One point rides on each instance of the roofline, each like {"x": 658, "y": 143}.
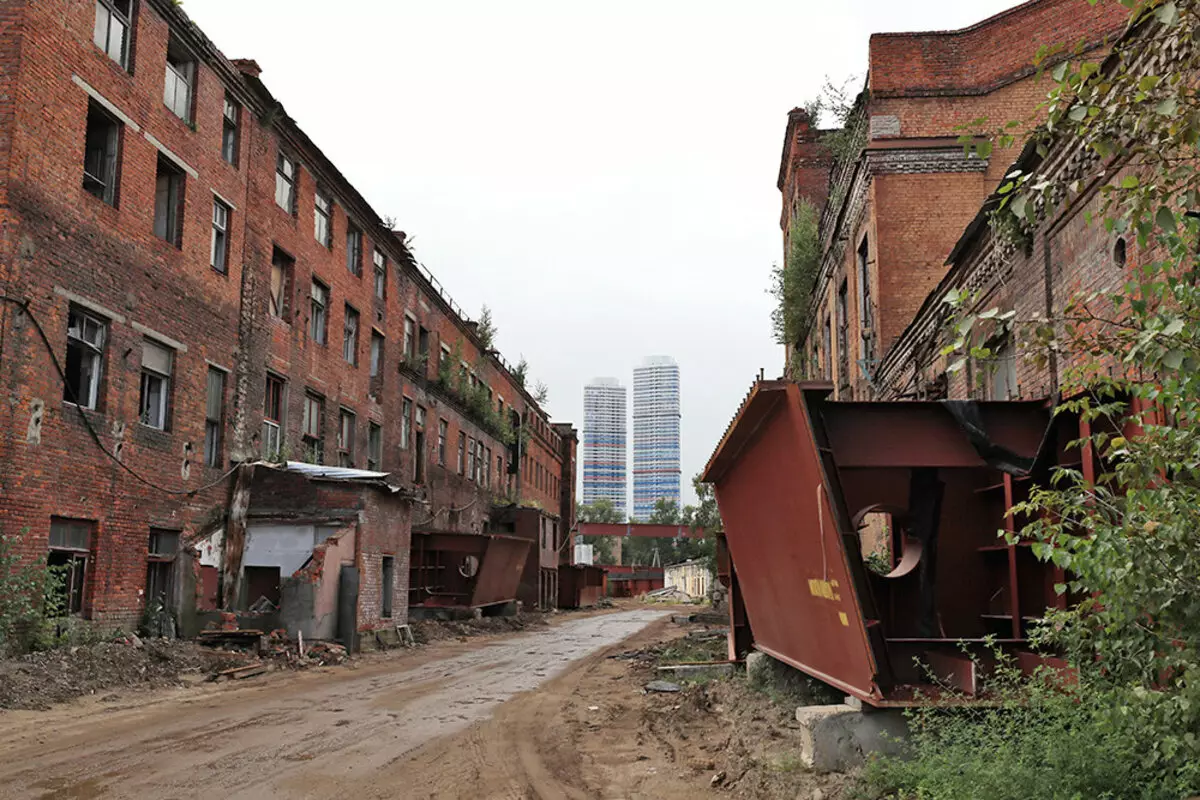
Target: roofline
{"x": 975, "y": 26}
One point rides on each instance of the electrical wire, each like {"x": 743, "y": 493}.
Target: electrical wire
{"x": 62, "y": 375}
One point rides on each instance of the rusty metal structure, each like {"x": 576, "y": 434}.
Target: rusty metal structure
{"x": 450, "y": 573}
{"x": 809, "y": 489}
{"x": 581, "y": 585}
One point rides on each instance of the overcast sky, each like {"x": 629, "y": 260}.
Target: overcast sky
{"x": 602, "y": 175}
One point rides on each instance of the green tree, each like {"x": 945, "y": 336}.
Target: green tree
{"x": 602, "y": 510}
{"x": 666, "y": 512}
{"x": 792, "y": 284}
{"x": 486, "y": 329}
{"x": 520, "y": 373}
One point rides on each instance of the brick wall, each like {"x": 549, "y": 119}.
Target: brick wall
{"x": 64, "y": 248}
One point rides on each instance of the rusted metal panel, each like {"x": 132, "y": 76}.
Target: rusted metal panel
{"x": 802, "y": 482}
{"x": 465, "y": 570}
{"x": 500, "y": 570}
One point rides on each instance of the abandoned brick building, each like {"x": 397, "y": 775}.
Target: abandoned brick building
{"x": 902, "y": 190}
{"x": 189, "y": 284}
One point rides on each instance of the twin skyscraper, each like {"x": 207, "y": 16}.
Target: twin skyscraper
{"x": 656, "y": 472}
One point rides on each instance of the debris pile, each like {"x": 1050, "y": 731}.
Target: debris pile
{"x": 669, "y": 594}
{"x": 426, "y": 631}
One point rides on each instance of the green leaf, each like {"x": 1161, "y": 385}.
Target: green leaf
{"x": 1130, "y": 182}
{"x": 1148, "y": 82}
{"x": 983, "y": 149}
{"x": 1167, "y": 13}
{"x": 1060, "y": 71}
{"x": 1167, "y": 107}
{"x": 1078, "y": 113}
{"x": 1165, "y": 219}
{"x": 1173, "y": 359}
{"x": 1018, "y": 205}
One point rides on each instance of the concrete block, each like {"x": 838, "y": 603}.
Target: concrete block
{"x": 837, "y": 738}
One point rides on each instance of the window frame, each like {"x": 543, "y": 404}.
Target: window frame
{"x": 275, "y": 424}
{"x": 374, "y": 446}
{"x": 318, "y": 313}
{"x": 379, "y": 260}
{"x": 183, "y": 65}
{"x": 312, "y": 427}
{"x": 287, "y": 175}
{"x": 278, "y": 306}
{"x": 462, "y": 452}
{"x": 214, "y": 427}
{"x": 354, "y": 249}
{"x": 169, "y": 205}
{"x": 219, "y": 246}
{"x": 347, "y": 431}
{"x": 350, "y": 334}
{"x": 95, "y": 349}
{"x": 378, "y": 343}
{"x": 443, "y": 434}
{"x": 78, "y": 559}
{"x": 109, "y": 182}
{"x": 323, "y": 213}
{"x": 406, "y": 407}
{"x": 165, "y": 385}
{"x": 231, "y": 131}
{"x": 127, "y": 18}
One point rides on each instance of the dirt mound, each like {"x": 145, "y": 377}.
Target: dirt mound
{"x": 425, "y": 631}
{"x": 39, "y": 680}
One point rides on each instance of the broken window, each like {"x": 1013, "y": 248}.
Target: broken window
{"x": 419, "y": 461}
{"x": 272, "y": 439}
{"x": 354, "y": 249}
{"x": 231, "y": 130}
{"x": 111, "y": 32}
{"x": 168, "y": 202}
{"x": 470, "y": 459}
{"x": 443, "y": 433}
{"x": 405, "y": 423}
{"x": 350, "y": 336}
{"x": 318, "y": 320}
{"x": 180, "y": 81}
{"x": 462, "y": 447}
{"x": 323, "y": 219}
{"x": 219, "y": 256}
{"x": 380, "y": 275}
{"x": 409, "y": 329}
{"x": 376, "y": 354}
{"x": 345, "y": 438}
{"x": 214, "y": 416}
{"x": 157, "y": 362}
{"x": 282, "y": 268}
{"x": 387, "y": 580}
{"x": 285, "y": 183}
{"x": 423, "y": 344}
{"x": 70, "y": 546}
{"x": 160, "y": 569}
{"x": 374, "y": 447}
{"x": 85, "y": 358}
{"x": 100, "y": 150}
{"x": 1002, "y": 378}
{"x": 313, "y": 437}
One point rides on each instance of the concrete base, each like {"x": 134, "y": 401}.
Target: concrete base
{"x": 837, "y": 738}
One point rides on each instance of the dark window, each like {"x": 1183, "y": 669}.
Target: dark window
{"x": 866, "y": 312}
{"x": 423, "y": 344}
{"x": 314, "y": 428}
{"x": 214, "y": 417}
{"x": 374, "y": 447}
{"x": 350, "y": 336}
{"x": 168, "y": 202}
{"x": 843, "y": 341}
{"x": 86, "y": 335}
{"x": 282, "y": 267}
{"x": 272, "y": 440}
{"x": 157, "y": 365}
{"x": 462, "y": 447}
{"x": 111, "y": 33}
{"x": 323, "y": 219}
{"x": 100, "y": 149}
{"x": 285, "y": 183}
{"x": 405, "y": 423}
{"x": 419, "y": 460}
{"x": 443, "y": 432}
{"x": 219, "y": 257}
{"x": 345, "y": 438}
{"x": 470, "y": 459}
{"x": 827, "y": 346}
{"x": 388, "y": 582}
{"x": 70, "y": 548}
{"x": 380, "y": 275}
{"x": 376, "y": 354}
{"x": 160, "y": 568}
{"x": 318, "y": 320}
{"x": 231, "y": 131}
{"x": 354, "y": 248}
{"x": 180, "y": 82}
{"x": 410, "y": 327}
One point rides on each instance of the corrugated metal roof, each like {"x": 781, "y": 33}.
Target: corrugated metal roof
{"x": 334, "y": 473}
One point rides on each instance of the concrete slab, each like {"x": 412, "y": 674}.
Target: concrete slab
{"x": 837, "y": 738}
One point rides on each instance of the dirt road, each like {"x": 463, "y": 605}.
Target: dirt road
{"x": 330, "y": 733}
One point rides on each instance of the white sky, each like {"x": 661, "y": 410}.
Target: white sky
{"x": 602, "y": 175}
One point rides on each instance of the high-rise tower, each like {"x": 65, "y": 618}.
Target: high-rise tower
{"x": 655, "y": 434}
{"x": 604, "y": 443}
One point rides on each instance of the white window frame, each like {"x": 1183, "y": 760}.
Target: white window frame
{"x": 349, "y": 335}
{"x": 93, "y": 347}
{"x": 323, "y": 218}
{"x": 155, "y": 413}
{"x": 285, "y": 182}
{"x": 219, "y": 250}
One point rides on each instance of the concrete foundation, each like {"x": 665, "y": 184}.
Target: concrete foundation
{"x": 837, "y": 738}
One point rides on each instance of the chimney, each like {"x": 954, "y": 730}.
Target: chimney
{"x": 247, "y": 66}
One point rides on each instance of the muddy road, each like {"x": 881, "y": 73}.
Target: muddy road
{"x": 326, "y": 733}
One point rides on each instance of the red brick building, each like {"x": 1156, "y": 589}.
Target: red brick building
{"x": 894, "y": 207}
{"x": 191, "y": 284}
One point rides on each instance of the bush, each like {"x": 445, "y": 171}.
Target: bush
{"x": 31, "y": 601}
{"x": 1049, "y": 742}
